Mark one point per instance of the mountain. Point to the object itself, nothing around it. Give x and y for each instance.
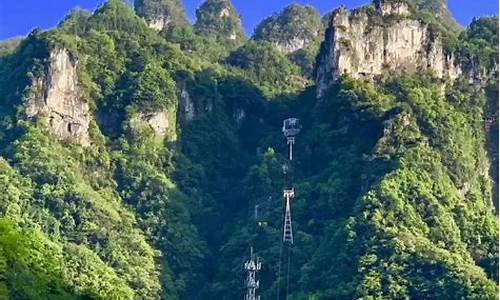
(219, 20)
(296, 31)
(292, 29)
(139, 162)
(439, 8)
(362, 43)
(8, 46)
(161, 14)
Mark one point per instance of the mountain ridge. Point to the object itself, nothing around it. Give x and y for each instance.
(394, 176)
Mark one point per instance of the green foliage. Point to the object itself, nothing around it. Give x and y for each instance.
(438, 8)
(294, 22)
(30, 266)
(268, 67)
(19, 68)
(142, 174)
(479, 43)
(218, 20)
(75, 22)
(9, 46)
(171, 10)
(393, 197)
(86, 215)
(306, 59)
(152, 88)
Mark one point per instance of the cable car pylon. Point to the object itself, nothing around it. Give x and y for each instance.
(291, 128)
(252, 266)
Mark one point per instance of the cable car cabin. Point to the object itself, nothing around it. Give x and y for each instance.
(291, 127)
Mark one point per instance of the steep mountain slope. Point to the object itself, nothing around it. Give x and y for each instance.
(8, 46)
(132, 159)
(218, 19)
(161, 14)
(296, 31)
(439, 8)
(290, 30)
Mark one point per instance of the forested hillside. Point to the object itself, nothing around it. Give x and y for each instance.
(134, 148)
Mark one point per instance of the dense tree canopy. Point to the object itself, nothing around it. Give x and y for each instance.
(393, 177)
(217, 19)
(294, 22)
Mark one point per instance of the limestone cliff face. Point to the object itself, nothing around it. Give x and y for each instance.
(190, 107)
(158, 121)
(55, 96)
(438, 8)
(186, 104)
(364, 43)
(292, 45)
(292, 29)
(161, 14)
(219, 20)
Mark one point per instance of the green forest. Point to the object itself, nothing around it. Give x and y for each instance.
(396, 179)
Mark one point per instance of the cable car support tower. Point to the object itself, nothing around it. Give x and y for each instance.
(252, 266)
(291, 128)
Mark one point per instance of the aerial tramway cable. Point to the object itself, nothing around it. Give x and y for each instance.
(291, 127)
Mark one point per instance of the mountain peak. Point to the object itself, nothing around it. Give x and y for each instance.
(219, 20)
(400, 44)
(161, 14)
(438, 8)
(291, 29)
(392, 7)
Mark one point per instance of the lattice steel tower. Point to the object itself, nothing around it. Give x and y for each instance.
(287, 224)
(291, 127)
(252, 266)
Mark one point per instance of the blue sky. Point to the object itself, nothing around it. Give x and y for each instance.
(19, 17)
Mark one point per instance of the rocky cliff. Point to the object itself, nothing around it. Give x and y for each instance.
(158, 121)
(364, 42)
(439, 9)
(55, 97)
(292, 29)
(219, 20)
(161, 14)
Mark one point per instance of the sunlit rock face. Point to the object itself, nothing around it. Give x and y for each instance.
(161, 14)
(390, 7)
(55, 96)
(218, 20)
(363, 44)
(294, 28)
(157, 121)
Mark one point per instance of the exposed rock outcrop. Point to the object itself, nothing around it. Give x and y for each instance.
(392, 7)
(55, 96)
(292, 45)
(439, 9)
(292, 29)
(217, 19)
(161, 14)
(186, 104)
(364, 43)
(191, 107)
(239, 115)
(158, 121)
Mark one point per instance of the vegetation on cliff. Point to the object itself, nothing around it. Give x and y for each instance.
(170, 11)
(218, 20)
(294, 22)
(394, 194)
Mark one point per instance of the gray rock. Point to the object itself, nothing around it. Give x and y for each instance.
(55, 96)
(158, 121)
(356, 46)
(186, 104)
